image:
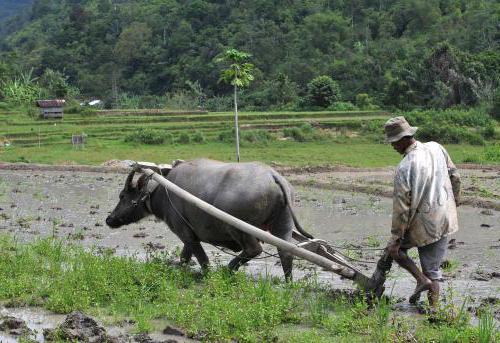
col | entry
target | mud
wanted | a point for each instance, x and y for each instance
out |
(73, 204)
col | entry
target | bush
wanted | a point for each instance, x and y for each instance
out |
(488, 132)
(342, 106)
(323, 91)
(198, 137)
(256, 136)
(227, 136)
(147, 136)
(448, 134)
(295, 133)
(365, 102)
(183, 138)
(457, 117)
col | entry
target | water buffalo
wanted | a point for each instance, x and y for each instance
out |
(252, 192)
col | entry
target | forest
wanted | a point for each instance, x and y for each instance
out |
(359, 54)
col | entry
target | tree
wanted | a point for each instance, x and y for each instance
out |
(238, 74)
(323, 91)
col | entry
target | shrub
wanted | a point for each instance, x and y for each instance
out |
(198, 137)
(295, 133)
(323, 91)
(183, 138)
(342, 106)
(448, 134)
(365, 102)
(227, 136)
(147, 136)
(488, 132)
(256, 136)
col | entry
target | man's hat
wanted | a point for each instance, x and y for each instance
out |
(397, 128)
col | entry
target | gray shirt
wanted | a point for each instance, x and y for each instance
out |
(426, 190)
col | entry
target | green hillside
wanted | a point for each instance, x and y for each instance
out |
(390, 53)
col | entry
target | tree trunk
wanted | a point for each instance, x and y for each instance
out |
(236, 125)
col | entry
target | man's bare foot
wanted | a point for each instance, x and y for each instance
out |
(422, 286)
(433, 295)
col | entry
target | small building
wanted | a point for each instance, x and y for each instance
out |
(51, 108)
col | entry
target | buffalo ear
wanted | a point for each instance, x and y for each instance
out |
(129, 180)
(165, 169)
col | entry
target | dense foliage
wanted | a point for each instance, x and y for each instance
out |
(386, 53)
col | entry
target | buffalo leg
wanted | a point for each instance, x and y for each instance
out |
(283, 228)
(186, 253)
(200, 254)
(251, 248)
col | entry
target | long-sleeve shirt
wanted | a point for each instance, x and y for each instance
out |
(426, 191)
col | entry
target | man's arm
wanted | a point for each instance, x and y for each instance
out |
(400, 208)
(454, 177)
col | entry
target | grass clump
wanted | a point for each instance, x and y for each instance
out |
(198, 137)
(147, 136)
(256, 136)
(183, 138)
(305, 132)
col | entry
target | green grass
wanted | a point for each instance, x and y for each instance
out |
(217, 306)
(356, 152)
(345, 138)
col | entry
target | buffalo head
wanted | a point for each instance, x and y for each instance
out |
(131, 207)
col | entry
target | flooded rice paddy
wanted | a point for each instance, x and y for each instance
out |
(73, 205)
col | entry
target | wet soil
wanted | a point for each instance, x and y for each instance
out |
(73, 204)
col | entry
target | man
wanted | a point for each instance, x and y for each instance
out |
(425, 200)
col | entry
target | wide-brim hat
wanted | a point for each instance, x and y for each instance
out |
(397, 128)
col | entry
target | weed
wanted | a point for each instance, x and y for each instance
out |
(450, 265)
(24, 222)
(77, 235)
(38, 195)
(487, 329)
(372, 241)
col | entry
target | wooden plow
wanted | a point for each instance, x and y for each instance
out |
(315, 251)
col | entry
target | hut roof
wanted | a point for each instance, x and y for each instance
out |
(50, 103)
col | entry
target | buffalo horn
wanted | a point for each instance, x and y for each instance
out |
(129, 180)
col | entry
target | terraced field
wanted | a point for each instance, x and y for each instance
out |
(21, 130)
(346, 138)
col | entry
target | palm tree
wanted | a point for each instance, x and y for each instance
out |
(239, 74)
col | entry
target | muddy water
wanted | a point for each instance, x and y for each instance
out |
(74, 205)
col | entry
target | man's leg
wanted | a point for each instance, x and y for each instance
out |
(431, 256)
(401, 258)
